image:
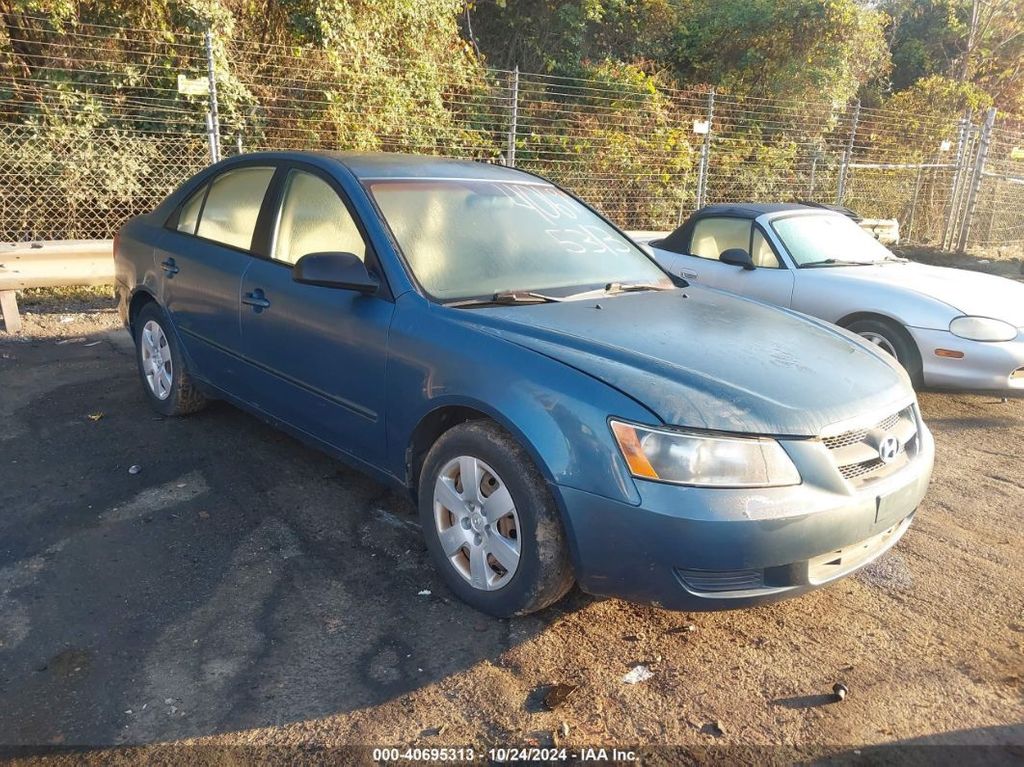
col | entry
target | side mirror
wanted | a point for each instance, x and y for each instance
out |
(737, 257)
(335, 270)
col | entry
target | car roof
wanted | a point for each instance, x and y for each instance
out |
(393, 165)
(748, 209)
(678, 241)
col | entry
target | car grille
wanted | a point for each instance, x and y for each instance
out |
(855, 452)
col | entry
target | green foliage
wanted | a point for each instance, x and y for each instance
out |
(976, 41)
(938, 96)
(89, 101)
(803, 49)
(623, 145)
(563, 36)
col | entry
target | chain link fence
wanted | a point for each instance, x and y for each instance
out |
(97, 127)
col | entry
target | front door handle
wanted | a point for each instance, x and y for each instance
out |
(688, 274)
(170, 267)
(256, 300)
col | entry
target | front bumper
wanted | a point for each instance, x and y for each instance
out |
(687, 548)
(985, 366)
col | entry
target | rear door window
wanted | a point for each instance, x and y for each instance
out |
(233, 206)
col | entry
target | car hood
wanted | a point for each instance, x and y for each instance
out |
(968, 292)
(704, 359)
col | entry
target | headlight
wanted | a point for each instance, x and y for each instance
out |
(982, 329)
(703, 460)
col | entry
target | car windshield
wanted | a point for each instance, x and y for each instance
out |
(828, 239)
(466, 239)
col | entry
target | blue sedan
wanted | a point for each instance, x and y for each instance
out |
(560, 409)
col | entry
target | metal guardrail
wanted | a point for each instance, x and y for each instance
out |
(50, 265)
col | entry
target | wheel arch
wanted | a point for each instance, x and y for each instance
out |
(849, 319)
(917, 366)
(443, 417)
(140, 298)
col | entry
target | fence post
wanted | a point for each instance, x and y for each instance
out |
(913, 204)
(705, 153)
(510, 152)
(844, 168)
(814, 168)
(211, 136)
(963, 135)
(976, 179)
(213, 119)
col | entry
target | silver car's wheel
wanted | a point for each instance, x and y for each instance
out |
(156, 360)
(477, 523)
(880, 341)
(894, 339)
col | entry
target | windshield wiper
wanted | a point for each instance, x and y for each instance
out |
(530, 297)
(632, 287)
(508, 297)
(834, 262)
(618, 287)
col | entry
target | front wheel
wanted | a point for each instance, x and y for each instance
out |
(491, 526)
(894, 340)
(165, 377)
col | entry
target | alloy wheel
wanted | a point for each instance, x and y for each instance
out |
(156, 360)
(880, 341)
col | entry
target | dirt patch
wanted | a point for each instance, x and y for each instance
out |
(1001, 261)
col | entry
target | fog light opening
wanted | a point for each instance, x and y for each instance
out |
(949, 354)
(1017, 375)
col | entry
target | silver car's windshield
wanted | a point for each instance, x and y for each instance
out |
(468, 238)
(827, 239)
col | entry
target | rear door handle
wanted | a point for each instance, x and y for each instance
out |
(170, 267)
(256, 300)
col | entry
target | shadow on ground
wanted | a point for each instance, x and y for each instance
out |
(237, 580)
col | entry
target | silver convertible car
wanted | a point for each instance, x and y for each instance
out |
(949, 328)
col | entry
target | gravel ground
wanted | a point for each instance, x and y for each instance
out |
(242, 589)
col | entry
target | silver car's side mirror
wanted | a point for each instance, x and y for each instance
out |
(737, 257)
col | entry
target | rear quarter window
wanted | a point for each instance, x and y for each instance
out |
(189, 216)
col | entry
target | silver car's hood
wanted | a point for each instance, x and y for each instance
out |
(968, 292)
(710, 360)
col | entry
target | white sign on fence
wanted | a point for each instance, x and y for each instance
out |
(193, 86)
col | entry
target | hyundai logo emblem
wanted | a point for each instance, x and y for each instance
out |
(889, 449)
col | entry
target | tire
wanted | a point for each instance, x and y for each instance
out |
(894, 339)
(506, 478)
(164, 375)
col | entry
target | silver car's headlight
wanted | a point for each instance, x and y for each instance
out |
(982, 329)
(703, 460)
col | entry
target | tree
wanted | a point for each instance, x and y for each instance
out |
(803, 49)
(563, 36)
(972, 41)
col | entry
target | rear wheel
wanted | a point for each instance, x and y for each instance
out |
(491, 526)
(165, 377)
(894, 340)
